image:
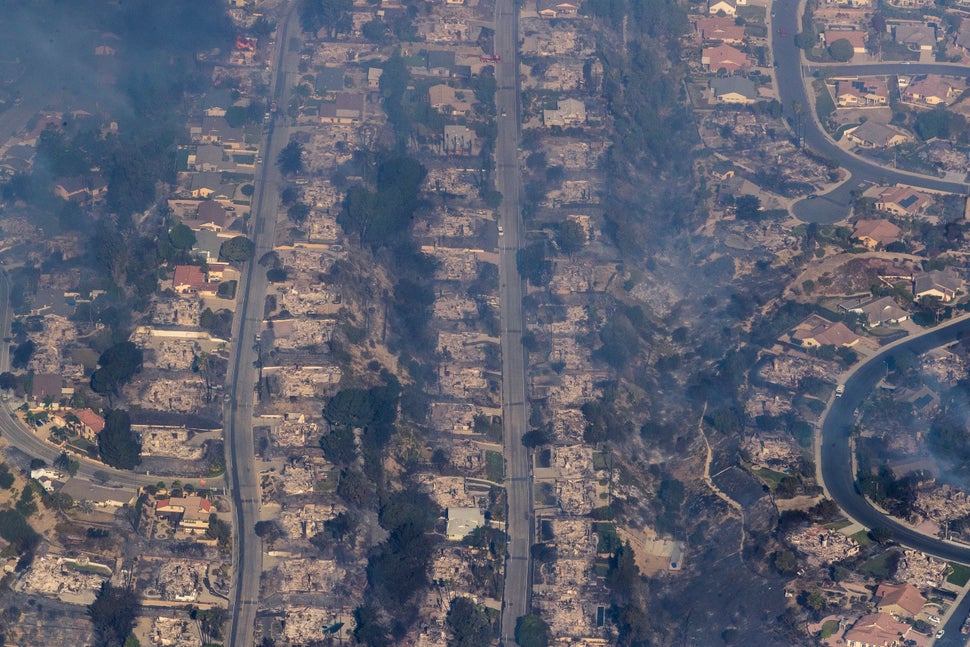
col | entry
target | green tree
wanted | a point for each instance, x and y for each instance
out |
(298, 212)
(841, 50)
(571, 237)
(117, 365)
(117, 444)
(469, 624)
(330, 14)
(785, 562)
(290, 159)
(532, 631)
(238, 249)
(181, 237)
(113, 615)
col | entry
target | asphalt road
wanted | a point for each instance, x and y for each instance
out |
(240, 382)
(799, 109)
(518, 475)
(836, 457)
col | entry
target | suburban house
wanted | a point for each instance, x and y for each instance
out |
(872, 134)
(918, 37)
(550, 9)
(931, 89)
(46, 385)
(733, 89)
(189, 513)
(864, 92)
(81, 188)
(211, 216)
(347, 109)
(875, 233)
(903, 201)
(217, 102)
(462, 521)
(727, 7)
(942, 284)
(724, 57)
(877, 630)
(568, 112)
(445, 98)
(329, 80)
(817, 331)
(216, 130)
(899, 600)
(188, 278)
(458, 140)
(441, 62)
(207, 157)
(856, 37)
(719, 28)
(88, 425)
(877, 312)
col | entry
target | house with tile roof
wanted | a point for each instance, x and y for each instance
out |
(875, 233)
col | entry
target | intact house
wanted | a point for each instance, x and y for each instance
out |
(347, 109)
(733, 90)
(817, 331)
(861, 93)
(81, 188)
(445, 98)
(726, 7)
(189, 514)
(210, 216)
(899, 600)
(190, 279)
(856, 38)
(462, 521)
(550, 9)
(932, 89)
(875, 135)
(877, 629)
(568, 112)
(83, 422)
(207, 157)
(719, 28)
(920, 38)
(903, 201)
(875, 233)
(942, 284)
(877, 312)
(724, 57)
(441, 62)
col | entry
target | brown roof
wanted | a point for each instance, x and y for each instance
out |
(188, 275)
(90, 419)
(877, 629)
(905, 596)
(46, 384)
(882, 231)
(719, 28)
(213, 212)
(825, 332)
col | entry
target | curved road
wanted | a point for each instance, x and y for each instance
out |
(836, 457)
(799, 108)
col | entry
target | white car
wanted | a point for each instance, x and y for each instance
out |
(839, 390)
(939, 634)
(934, 619)
(501, 230)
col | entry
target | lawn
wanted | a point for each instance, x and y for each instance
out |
(829, 628)
(838, 525)
(878, 566)
(771, 477)
(959, 574)
(862, 538)
(494, 466)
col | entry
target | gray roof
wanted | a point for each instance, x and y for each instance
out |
(441, 59)
(734, 84)
(882, 311)
(942, 280)
(875, 133)
(84, 491)
(208, 154)
(329, 79)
